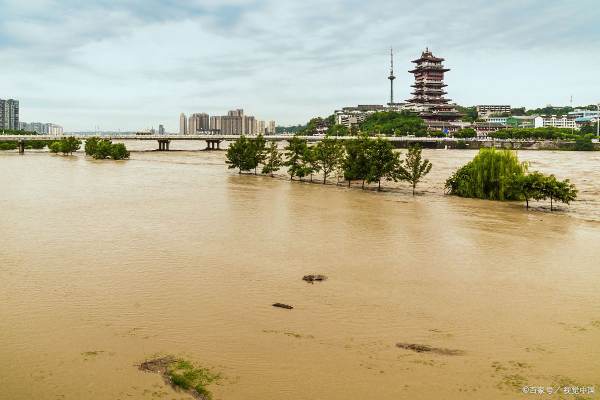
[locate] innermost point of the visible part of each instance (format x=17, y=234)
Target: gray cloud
x=134, y=64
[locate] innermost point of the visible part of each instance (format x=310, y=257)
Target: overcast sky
x=131, y=65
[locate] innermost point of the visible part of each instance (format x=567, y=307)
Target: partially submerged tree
x=238, y=155
x=563, y=191
x=257, y=151
x=413, y=168
x=328, y=155
x=295, y=154
x=273, y=160
x=529, y=186
x=382, y=161
x=356, y=163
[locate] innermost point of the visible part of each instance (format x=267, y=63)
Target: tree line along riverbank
x=492, y=175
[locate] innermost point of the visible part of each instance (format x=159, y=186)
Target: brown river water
x=104, y=264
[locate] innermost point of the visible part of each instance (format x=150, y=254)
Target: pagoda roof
x=421, y=100
x=421, y=68
x=427, y=56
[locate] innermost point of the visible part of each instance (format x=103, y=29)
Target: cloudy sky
x=132, y=64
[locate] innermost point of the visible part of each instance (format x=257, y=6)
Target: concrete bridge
x=213, y=142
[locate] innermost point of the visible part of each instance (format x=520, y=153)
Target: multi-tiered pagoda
x=428, y=94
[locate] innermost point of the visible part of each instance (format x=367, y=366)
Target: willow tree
x=488, y=176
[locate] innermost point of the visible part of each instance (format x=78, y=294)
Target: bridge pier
x=21, y=147
x=213, y=145
x=163, y=144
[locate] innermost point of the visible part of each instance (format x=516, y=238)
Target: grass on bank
x=183, y=374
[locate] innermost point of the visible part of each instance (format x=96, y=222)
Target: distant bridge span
x=213, y=141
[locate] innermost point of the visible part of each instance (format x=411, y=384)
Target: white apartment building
x=487, y=109
x=554, y=121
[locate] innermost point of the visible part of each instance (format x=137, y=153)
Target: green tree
x=66, y=146
x=70, y=145
x=338, y=130
x=295, y=154
x=529, y=186
x=356, y=163
x=413, y=168
x=310, y=163
x=563, y=191
x=328, y=154
x=392, y=123
x=487, y=176
x=382, y=161
x=257, y=151
x=313, y=126
x=273, y=160
x=54, y=147
x=103, y=149
x=118, y=151
x=239, y=155
x=469, y=114
x=90, y=145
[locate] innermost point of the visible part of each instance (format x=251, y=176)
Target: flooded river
x=104, y=264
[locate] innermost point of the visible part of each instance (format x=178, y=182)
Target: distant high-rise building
x=9, y=114
x=182, y=124
x=198, y=122
x=249, y=125
x=41, y=128
x=271, y=128
x=55, y=130
x=236, y=113
x=161, y=129
x=215, y=123
x=261, y=127
x=234, y=123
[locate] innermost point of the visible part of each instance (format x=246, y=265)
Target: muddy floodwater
x=105, y=264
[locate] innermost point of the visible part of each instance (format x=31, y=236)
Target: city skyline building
x=42, y=128
x=183, y=124
x=9, y=114
x=235, y=122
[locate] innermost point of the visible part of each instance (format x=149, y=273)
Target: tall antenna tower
x=391, y=77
